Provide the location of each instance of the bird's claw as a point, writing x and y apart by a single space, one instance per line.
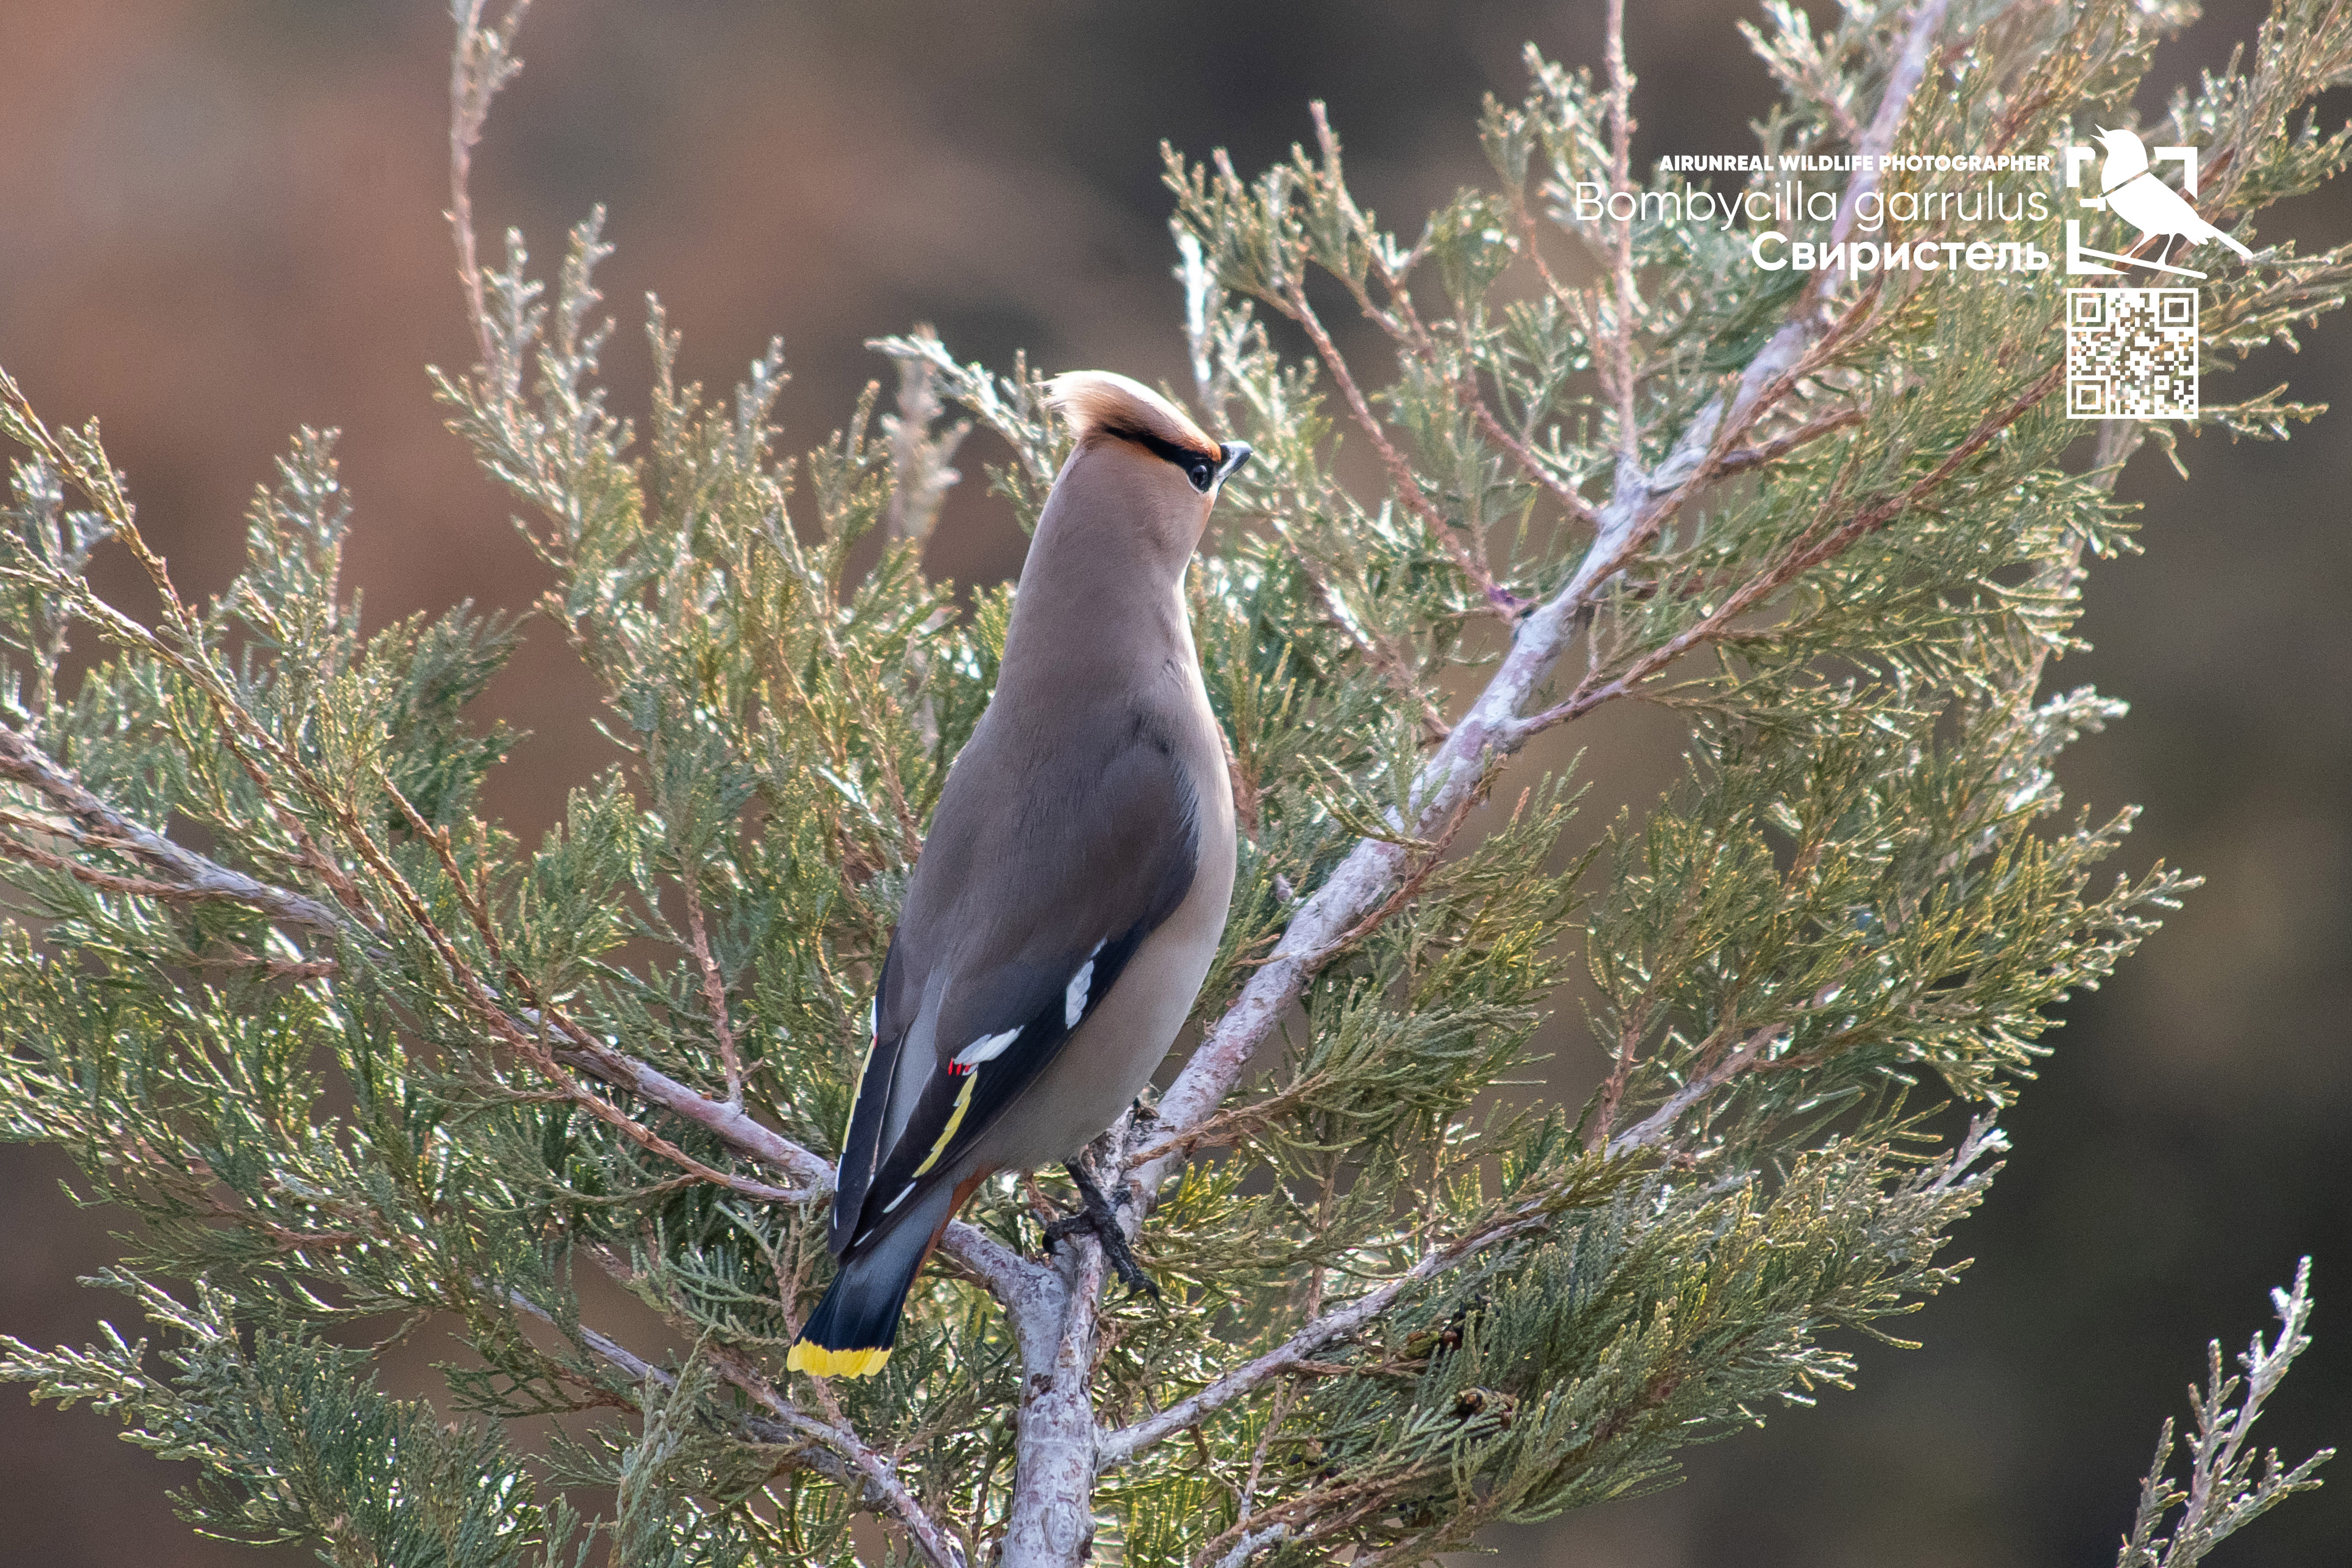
1095 1216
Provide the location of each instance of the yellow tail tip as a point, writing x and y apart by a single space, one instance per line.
823 1363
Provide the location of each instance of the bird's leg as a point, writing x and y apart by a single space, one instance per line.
1095 1216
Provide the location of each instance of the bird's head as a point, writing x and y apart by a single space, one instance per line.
2122 144
1140 457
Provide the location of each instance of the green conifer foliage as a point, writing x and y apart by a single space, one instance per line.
359 1061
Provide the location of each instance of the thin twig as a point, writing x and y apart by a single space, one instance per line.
843 1455
1258 1450
1578 509
1810 550
1627 307
1393 665
478 909
876 1471
1765 452
1654 1128
1402 480
1119 1446
98 825
714 988
481 64
1250 1545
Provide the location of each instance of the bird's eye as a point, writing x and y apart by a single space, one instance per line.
1200 473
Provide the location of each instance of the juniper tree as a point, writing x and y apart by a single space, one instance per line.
359 1060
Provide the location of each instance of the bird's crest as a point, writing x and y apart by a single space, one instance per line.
1100 403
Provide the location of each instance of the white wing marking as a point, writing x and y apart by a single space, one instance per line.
1074 1000
986 1049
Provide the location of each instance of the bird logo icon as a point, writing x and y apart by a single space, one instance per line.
2130 189
2135 194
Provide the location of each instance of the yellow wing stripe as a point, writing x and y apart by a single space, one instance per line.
955 1120
823 1363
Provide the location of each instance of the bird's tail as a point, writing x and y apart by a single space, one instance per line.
2231 242
852 1331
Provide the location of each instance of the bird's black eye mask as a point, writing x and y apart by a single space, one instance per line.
1204 472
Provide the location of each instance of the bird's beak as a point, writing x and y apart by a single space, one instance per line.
1236 453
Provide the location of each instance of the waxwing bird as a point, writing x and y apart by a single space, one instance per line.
1073 887
2134 194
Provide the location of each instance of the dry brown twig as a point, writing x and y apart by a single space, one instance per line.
714 988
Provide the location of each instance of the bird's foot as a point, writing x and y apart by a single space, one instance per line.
1097 1216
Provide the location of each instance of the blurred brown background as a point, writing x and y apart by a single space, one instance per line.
219 221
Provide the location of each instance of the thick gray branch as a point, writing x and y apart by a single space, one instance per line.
1688 458
1493 726
1057 1458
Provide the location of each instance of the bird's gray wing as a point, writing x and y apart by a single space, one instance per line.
1033 893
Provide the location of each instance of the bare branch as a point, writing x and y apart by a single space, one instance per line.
1491 725
89 876
1654 1128
1810 550
1118 1447
1057 1458
1402 480
1627 304
840 1453
1250 1545
714 987
96 825
1578 509
1780 447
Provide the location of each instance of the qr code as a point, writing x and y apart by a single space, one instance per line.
2131 354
